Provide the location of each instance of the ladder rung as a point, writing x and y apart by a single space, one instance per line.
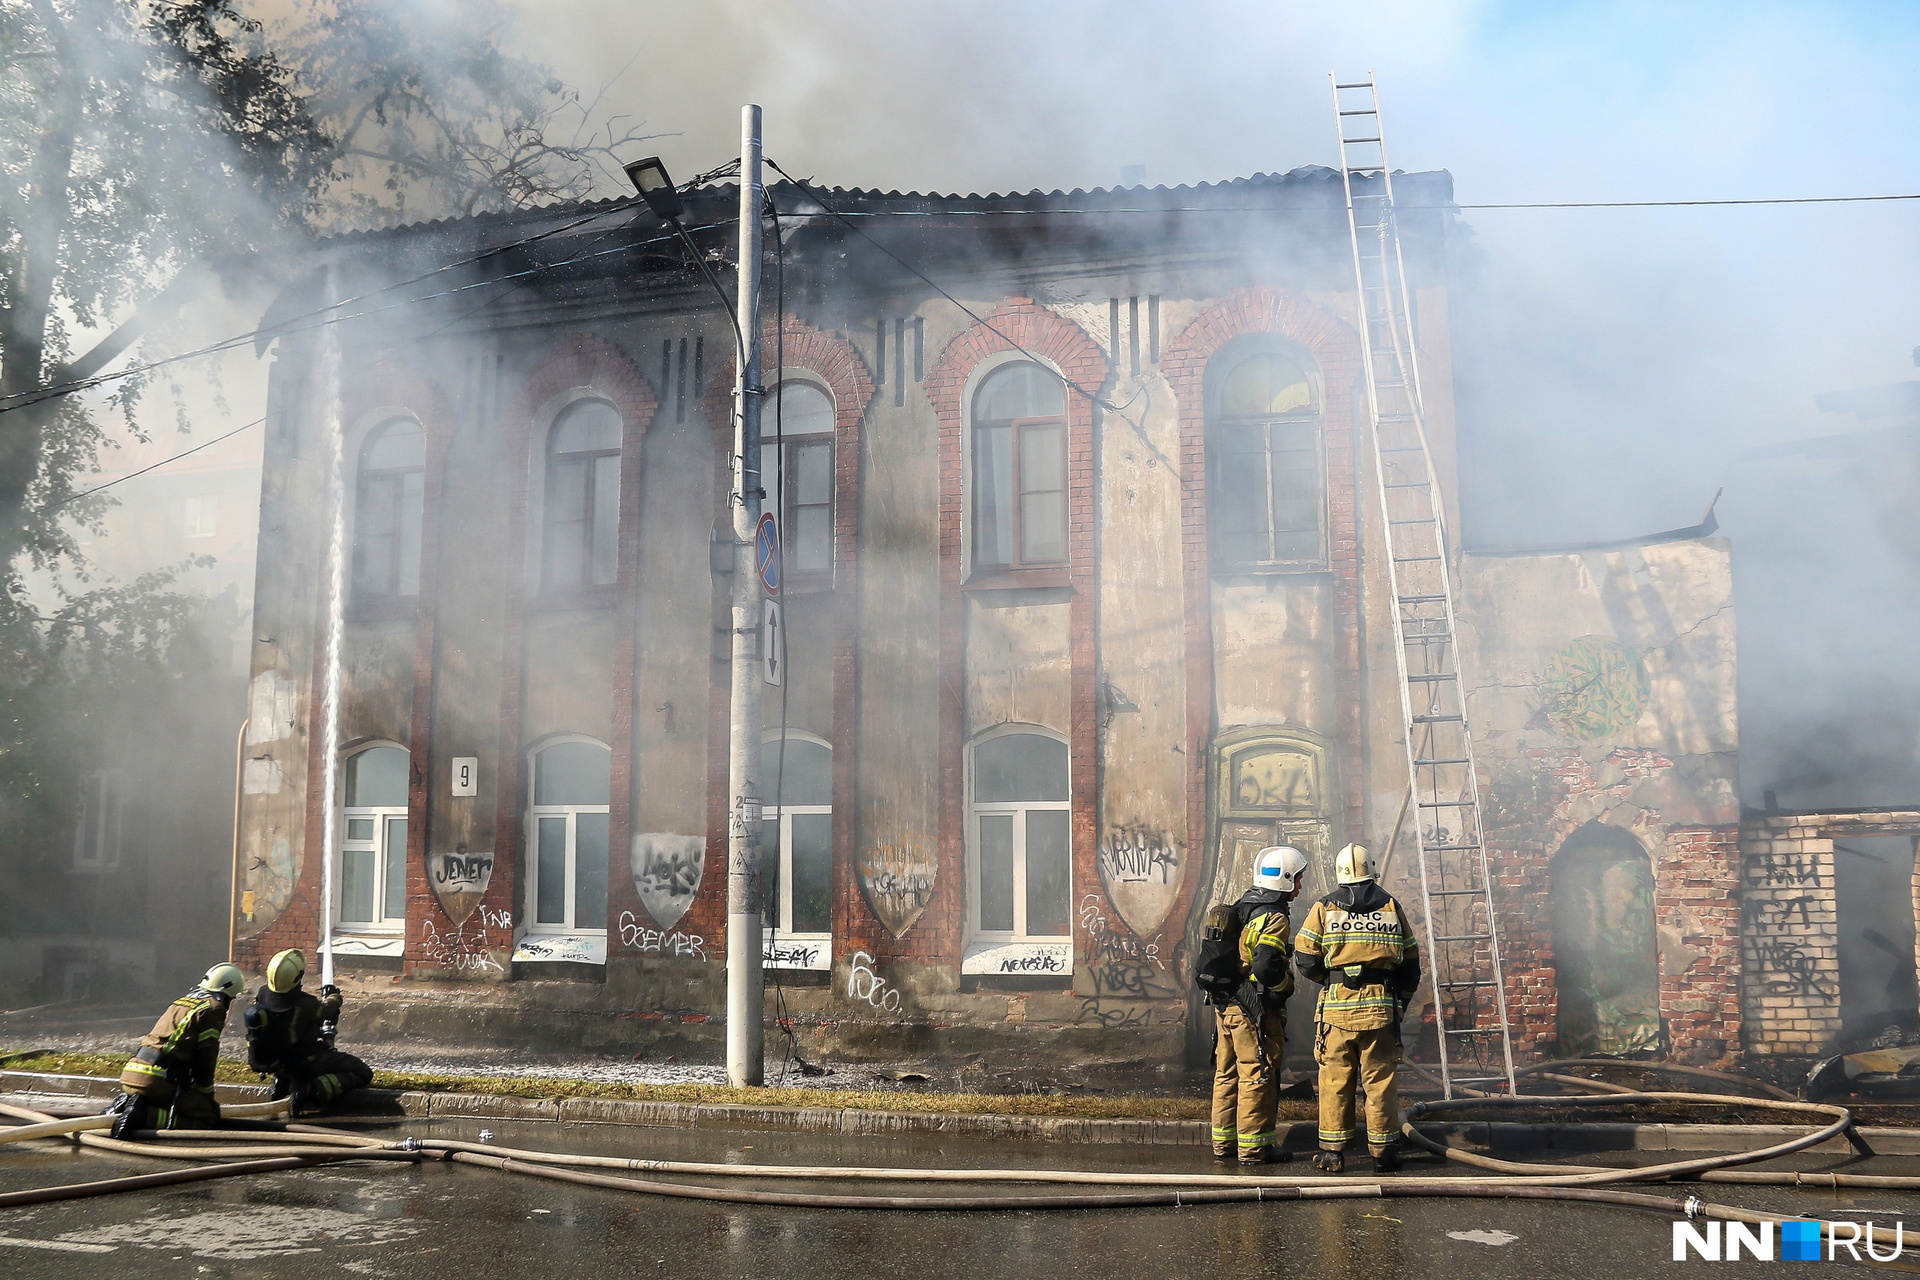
1450 848
1364 84
1439 719
1432 679
1419 599
1421 764
1477 1079
1476 1031
1462 937
1455 893
1408 484
1368 112
1354 141
1446 804
1477 982
1421 520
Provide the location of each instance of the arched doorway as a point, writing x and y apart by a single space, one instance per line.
1604 945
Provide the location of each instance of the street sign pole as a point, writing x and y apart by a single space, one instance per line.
745 988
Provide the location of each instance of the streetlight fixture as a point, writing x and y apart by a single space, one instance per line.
649 178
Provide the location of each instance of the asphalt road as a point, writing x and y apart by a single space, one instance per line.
402 1221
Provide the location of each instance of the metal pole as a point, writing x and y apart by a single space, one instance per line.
745 1048
233 886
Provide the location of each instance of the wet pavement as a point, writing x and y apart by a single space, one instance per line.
443 1220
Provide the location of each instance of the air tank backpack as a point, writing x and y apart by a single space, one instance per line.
1216 970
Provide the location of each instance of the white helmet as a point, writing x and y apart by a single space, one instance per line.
1278 867
1353 864
224 980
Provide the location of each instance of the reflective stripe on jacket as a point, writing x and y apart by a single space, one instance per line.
1344 939
183 1046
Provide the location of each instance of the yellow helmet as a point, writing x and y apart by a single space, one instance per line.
1353 864
224 980
284 970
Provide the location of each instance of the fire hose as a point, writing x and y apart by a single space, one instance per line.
295 1146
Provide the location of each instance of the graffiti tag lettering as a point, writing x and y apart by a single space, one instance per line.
1138 853
898 882
639 937
864 984
460 950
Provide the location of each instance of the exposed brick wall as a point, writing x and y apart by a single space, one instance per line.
1335 347
1016 324
1695 887
300 924
1789 937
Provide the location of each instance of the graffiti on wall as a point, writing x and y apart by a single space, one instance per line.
1122 970
1786 921
1140 864
1593 687
897 880
666 873
458 879
864 984
463 948
660 942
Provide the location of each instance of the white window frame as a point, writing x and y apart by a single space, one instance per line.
571 812
1018 808
102 817
782 814
538 455
200 516
381 922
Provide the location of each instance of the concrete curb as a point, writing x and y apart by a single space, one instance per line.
23 1088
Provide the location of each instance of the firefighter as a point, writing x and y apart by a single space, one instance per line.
1356 943
290 1037
168 1082
1251 1022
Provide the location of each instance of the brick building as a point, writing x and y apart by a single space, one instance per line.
1086 603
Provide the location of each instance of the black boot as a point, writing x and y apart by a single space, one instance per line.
1328 1161
1387 1161
130 1112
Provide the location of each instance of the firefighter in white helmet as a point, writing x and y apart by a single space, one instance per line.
168 1082
1242 969
1357 944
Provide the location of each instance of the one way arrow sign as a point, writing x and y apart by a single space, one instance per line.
773 645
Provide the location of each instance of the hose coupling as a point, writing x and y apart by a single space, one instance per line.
408 1143
1693 1206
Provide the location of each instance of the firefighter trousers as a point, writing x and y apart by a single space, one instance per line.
1366 1059
1246 1080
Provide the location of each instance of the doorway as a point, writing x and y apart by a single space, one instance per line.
1605 948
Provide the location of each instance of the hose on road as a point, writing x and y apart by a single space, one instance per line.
297 1146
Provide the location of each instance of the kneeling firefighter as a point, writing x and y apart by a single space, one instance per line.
1242 968
168 1082
1356 943
290 1037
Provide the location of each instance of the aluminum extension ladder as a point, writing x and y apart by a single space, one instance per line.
1463 945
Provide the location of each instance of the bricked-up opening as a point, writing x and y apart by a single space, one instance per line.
1605 945
1872 877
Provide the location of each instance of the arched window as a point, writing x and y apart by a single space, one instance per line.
800 419
796 837
1266 488
386 510
581 534
1022 860
373 841
567 874
1019 476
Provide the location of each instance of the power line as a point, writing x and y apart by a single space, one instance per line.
1275 208
88 493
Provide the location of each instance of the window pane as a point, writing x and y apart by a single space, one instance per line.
585 426
1020 766
590 871
996 872
812 872
810 549
1238 506
811 479
373 543
993 496
1019 391
1043 458
573 773
407 536
1043 528
394 904
606 519
1049 870
799 408
394 446
550 872
376 779
807 778
1266 384
564 544
359 828
770 872
356 885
